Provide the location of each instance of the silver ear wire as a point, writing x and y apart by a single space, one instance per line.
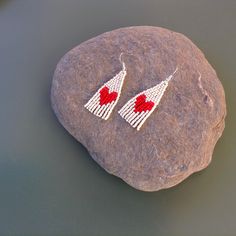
121 61
172 75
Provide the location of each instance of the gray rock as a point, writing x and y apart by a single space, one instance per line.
177 139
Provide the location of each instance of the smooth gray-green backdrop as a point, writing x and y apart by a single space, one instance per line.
49 185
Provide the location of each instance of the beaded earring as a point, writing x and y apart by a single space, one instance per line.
105 99
140 107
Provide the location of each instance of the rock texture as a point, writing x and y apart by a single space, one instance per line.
177 139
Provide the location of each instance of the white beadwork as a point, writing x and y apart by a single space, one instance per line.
114 85
154 94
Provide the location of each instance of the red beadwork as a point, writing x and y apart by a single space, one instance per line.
106 97
142 105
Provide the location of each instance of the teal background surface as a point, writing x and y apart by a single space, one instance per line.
49 185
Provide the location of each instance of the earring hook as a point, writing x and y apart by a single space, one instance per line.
121 61
172 75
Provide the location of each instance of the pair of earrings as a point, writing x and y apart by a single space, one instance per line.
136 110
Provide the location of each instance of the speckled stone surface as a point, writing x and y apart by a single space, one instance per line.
177 139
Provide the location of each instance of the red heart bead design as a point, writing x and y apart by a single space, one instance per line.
142 105
106 97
